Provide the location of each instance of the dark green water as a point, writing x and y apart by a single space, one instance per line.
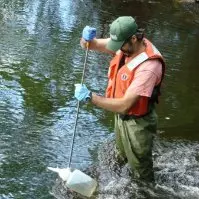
41 60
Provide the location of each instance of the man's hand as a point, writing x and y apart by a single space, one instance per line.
82 93
89 33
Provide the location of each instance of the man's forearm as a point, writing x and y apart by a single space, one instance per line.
100 45
118 105
97 45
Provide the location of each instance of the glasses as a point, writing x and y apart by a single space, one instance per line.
127 41
125 47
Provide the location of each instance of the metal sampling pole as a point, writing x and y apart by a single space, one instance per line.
75 127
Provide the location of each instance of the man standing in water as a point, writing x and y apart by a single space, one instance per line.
134 79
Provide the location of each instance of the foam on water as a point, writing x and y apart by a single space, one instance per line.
176 173
177 167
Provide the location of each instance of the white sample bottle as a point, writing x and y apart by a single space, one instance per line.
77 181
81 183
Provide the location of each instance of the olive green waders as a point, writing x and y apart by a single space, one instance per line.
134 139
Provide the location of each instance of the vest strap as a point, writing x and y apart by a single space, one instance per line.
155 50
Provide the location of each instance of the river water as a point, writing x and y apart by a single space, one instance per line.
41 60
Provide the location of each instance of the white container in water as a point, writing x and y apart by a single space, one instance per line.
81 183
77 181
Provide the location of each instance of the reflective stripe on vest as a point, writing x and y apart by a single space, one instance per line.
155 50
137 61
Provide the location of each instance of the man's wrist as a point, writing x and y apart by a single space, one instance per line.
89 98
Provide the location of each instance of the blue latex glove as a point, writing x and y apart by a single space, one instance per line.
89 33
82 93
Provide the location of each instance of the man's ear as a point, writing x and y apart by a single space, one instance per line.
134 38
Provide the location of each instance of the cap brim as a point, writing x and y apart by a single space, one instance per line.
114 45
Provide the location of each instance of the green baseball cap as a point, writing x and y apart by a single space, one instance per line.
120 30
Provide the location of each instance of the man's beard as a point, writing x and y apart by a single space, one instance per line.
130 50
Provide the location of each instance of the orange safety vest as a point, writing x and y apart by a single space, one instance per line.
119 79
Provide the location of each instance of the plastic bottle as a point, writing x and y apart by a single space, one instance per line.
81 183
77 181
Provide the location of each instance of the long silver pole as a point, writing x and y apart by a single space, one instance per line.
75 127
